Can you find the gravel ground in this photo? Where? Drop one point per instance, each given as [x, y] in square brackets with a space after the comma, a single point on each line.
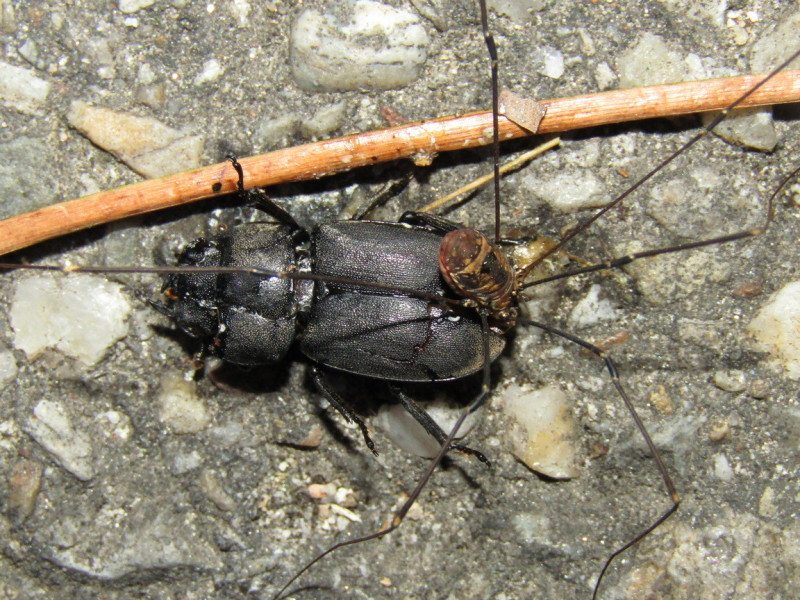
[123, 480]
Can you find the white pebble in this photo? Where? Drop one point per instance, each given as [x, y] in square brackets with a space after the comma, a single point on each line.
[545, 434]
[115, 425]
[51, 427]
[212, 69]
[21, 89]
[131, 6]
[548, 61]
[180, 407]
[79, 315]
[357, 45]
[406, 433]
[775, 329]
[722, 468]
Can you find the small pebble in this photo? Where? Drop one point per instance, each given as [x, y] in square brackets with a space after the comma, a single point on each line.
[30, 52]
[71, 448]
[80, 315]
[719, 431]
[22, 90]
[547, 61]
[324, 122]
[775, 329]
[146, 145]
[115, 425]
[569, 191]
[356, 44]
[322, 491]
[604, 76]
[732, 380]
[153, 95]
[272, 132]
[662, 401]
[722, 468]
[212, 70]
[747, 127]
[214, 490]
[749, 289]
[180, 408]
[313, 438]
[131, 6]
[766, 504]
[183, 463]
[24, 485]
[759, 389]
[545, 434]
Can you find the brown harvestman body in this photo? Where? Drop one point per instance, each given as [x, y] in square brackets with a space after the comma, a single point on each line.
[542, 545]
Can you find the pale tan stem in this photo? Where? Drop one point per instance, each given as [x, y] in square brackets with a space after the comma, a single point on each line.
[312, 161]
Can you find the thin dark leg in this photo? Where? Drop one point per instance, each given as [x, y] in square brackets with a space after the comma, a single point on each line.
[621, 261]
[339, 404]
[390, 191]
[662, 468]
[432, 222]
[422, 417]
[259, 199]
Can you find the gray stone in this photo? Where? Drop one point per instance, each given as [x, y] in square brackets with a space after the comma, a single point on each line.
[356, 44]
[115, 542]
[52, 428]
[80, 315]
[146, 145]
[651, 61]
[22, 89]
[570, 190]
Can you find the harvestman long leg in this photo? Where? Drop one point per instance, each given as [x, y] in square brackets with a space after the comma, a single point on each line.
[609, 363]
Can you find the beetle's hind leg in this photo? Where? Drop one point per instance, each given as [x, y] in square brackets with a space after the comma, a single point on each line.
[422, 417]
[339, 404]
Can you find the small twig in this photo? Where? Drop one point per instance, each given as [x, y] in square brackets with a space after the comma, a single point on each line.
[484, 179]
[319, 159]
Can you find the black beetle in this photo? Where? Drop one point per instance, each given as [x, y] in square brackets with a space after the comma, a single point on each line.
[375, 299]
[357, 328]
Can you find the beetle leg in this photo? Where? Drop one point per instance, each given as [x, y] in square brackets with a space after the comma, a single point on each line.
[423, 418]
[339, 404]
